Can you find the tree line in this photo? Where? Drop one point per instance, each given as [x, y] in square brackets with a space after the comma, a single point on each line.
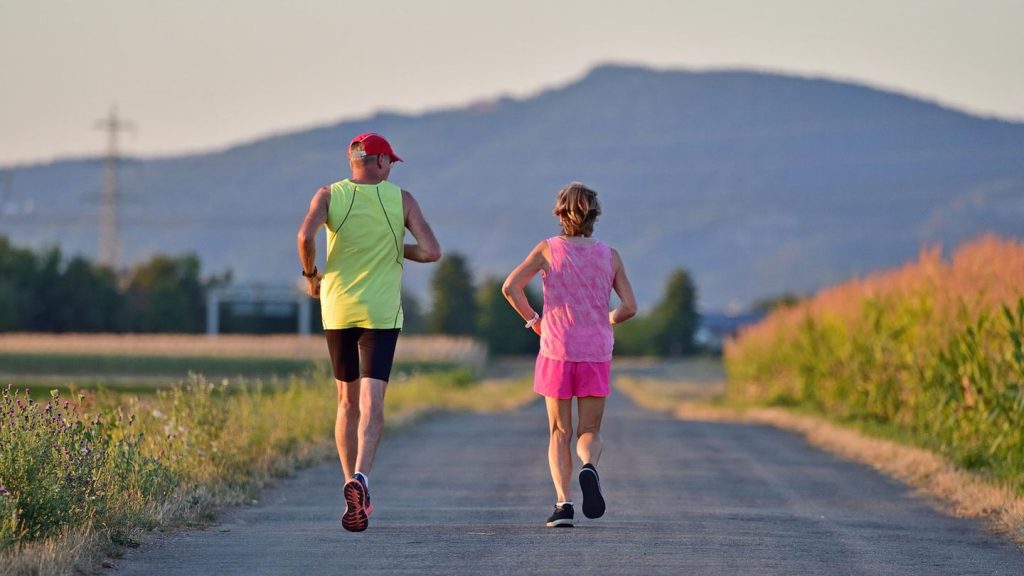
[42, 291]
[667, 329]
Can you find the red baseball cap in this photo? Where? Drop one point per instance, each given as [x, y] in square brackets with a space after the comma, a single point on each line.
[374, 143]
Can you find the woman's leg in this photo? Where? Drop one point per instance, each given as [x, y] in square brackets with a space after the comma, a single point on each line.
[588, 432]
[559, 455]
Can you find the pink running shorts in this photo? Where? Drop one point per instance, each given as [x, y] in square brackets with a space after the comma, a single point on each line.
[563, 379]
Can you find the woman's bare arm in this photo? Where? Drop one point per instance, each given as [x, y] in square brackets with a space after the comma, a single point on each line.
[514, 287]
[624, 290]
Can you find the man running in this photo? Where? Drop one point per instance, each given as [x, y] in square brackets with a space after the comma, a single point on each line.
[360, 292]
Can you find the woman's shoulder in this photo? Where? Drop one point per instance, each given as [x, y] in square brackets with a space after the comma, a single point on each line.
[556, 241]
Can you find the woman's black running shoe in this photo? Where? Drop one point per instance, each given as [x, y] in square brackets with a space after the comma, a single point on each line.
[562, 518]
[590, 484]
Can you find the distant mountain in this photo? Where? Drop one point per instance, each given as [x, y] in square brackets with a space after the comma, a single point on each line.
[757, 183]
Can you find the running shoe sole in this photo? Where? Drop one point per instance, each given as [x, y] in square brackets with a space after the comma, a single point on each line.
[561, 523]
[593, 501]
[357, 516]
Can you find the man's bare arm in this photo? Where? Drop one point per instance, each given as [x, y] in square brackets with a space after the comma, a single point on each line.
[315, 218]
[426, 248]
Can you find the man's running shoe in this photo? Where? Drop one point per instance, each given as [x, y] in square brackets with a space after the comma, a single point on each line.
[357, 505]
[590, 484]
[562, 518]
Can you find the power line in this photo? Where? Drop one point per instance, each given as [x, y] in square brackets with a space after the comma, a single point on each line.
[110, 242]
[163, 221]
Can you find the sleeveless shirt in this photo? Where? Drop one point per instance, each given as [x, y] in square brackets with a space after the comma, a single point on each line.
[362, 283]
[577, 291]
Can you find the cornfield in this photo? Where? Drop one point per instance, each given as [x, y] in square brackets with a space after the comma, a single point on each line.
[931, 350]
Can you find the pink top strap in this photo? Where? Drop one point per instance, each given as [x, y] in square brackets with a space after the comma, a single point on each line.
[577, 290]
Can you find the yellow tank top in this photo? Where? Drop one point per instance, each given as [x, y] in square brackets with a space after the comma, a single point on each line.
[362, 283]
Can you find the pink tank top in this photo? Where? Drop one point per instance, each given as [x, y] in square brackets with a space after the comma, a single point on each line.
[577, 289]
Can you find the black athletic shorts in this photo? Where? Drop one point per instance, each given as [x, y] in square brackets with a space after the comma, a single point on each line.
[362, 352]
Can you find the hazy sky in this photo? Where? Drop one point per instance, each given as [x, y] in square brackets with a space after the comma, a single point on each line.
[201, 74]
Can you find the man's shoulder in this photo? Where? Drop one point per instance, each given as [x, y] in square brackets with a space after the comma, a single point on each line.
[342, 186]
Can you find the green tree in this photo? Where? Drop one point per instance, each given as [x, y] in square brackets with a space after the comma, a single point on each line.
[412, 312]
[635, 337]
[500, 325]
[87, 299]
[673, 320]
[166, 295]
[770, 303]
[454, 303]
[45, 285]
[17, 282]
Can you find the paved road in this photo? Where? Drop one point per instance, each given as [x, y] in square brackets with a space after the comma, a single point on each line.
[468, 494]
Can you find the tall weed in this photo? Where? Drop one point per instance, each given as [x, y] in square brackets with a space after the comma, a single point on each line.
[124, 464]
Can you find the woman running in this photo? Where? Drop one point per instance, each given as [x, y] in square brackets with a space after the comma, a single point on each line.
[576, 338]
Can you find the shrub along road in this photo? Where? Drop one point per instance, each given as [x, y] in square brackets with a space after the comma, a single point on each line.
[468, 494]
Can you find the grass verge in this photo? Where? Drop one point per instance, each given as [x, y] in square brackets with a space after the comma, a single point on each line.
[81, 478]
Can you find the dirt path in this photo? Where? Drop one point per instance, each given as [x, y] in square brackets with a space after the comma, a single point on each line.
[468, 494]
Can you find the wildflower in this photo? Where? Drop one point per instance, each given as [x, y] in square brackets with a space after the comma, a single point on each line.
[3, 491]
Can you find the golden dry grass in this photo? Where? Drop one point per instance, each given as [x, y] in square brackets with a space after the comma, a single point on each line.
[441, 349]
[980, 275]
[56, 556]
[954, 491]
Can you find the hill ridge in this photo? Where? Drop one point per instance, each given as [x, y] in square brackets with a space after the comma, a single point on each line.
[757, 182]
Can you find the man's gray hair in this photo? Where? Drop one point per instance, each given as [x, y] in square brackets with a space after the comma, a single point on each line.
[358, 154]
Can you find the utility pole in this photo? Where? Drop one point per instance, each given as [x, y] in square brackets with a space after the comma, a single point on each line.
[5, 199]
[110, 243]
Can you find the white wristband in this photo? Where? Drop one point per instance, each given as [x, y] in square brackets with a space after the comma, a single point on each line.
[532, 321]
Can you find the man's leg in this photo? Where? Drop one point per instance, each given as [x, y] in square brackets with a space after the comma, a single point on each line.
[346, 425]
[559, 455]
[343, 346]
[371, 422]
[376, 354]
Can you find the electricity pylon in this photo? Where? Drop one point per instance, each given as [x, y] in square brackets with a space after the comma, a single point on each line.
[110, 242]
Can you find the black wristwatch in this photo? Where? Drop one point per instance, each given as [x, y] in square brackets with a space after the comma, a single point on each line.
[311, 274]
